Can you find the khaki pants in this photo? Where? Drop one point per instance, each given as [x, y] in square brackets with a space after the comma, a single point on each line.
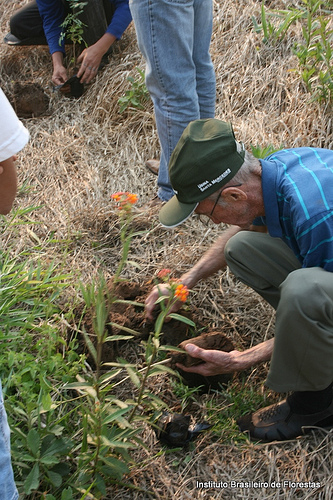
[303, 298]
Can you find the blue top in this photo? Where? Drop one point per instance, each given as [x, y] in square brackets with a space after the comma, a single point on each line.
[298, 198]
[53, 13]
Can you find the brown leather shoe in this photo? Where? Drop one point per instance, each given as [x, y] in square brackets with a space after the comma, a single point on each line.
[153, 166]
[278, 422]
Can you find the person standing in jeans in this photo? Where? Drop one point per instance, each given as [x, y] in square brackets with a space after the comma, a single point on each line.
[174, 37]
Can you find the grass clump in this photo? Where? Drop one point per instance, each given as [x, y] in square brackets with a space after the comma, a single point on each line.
[314, 51]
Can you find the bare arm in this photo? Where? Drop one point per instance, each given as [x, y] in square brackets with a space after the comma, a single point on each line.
[212, 261]
[219, 362]
[8, 184]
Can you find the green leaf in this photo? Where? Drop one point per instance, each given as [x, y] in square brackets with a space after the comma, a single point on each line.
[83, 386]
[114, 338]
[115, 443]
[181, 318]
[53, 446]
[171, 348]
[160, 299]
[32, 481]
[25, 457]
[47, 402]
[130, 302]
[49, 460]
[116, 465]
[105, 378]
[114, 416]
[158, 369]
[100, 484]
[124, 328]
[159, 322]
[90, 346]
[55, 478]
[133, 376]
[33, 440]
[67, 494]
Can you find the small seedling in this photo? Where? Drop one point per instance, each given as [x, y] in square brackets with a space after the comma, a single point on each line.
[72, 27]
[137, 96]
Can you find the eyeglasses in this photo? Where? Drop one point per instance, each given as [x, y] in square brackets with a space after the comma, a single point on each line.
[219, 196]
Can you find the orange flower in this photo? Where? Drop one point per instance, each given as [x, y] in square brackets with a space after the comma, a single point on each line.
[125, 200]
[117, 196]
[132, 198]
[181, 292]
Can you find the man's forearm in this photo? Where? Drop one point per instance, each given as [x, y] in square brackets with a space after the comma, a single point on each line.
[221, 362]
[255, 355]
[211, 262]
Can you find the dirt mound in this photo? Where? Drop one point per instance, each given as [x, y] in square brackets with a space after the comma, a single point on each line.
[29, 100]
[128, 313]
[209, 340]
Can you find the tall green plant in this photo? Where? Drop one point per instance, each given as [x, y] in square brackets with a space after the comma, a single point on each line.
[109, 429]
[72, 435]
[32, 369]
[274, 31]
[315, 54]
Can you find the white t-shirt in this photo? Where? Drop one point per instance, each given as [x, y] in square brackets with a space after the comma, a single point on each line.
[13, 134]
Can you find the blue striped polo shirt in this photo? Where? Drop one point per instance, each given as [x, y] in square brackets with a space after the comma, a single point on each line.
[298, 197]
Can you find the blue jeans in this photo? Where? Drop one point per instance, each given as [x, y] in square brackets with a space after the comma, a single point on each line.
[174, 37]
[8, 489]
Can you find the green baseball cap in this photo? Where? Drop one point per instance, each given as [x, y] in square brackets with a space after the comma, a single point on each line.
[206, 158]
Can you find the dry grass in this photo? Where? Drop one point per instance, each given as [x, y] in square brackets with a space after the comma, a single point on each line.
[84, 150]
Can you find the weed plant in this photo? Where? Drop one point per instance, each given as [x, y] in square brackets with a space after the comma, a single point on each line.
[35, 364]
[263, 151]
[137, 96]
[315, 54]
[315, 51]
[230, 403]
[110, 427]
[275, 24]
[72, 437]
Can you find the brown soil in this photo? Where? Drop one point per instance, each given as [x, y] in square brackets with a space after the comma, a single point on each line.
[175, 332]
[29, 100]
[210, 340]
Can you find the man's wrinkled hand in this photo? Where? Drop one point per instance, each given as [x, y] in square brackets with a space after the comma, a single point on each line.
[215, 362]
